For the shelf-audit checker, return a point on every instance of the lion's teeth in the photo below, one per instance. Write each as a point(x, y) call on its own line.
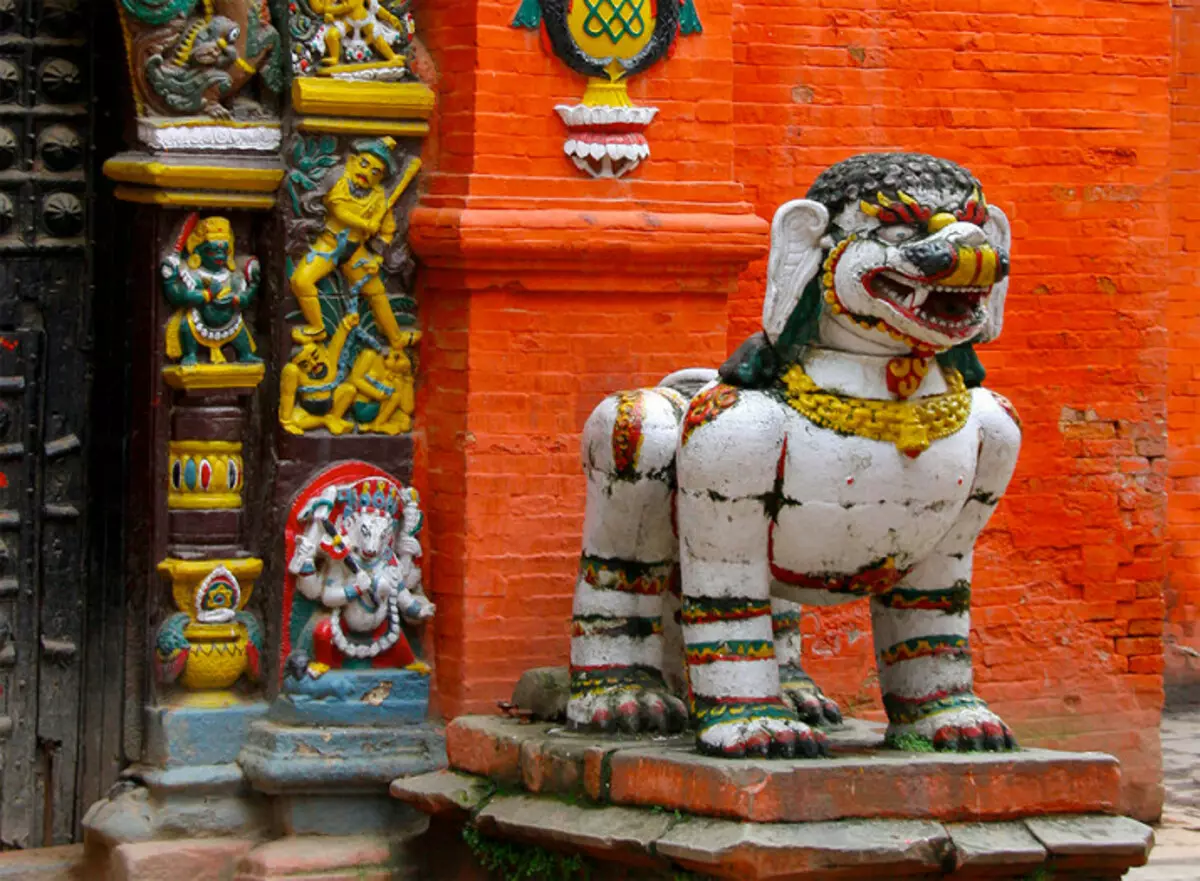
point(920, 295)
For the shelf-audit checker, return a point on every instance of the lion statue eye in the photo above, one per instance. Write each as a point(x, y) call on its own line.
point(897, 235)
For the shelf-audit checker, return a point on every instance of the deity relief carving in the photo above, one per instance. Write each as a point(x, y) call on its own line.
point(353, 574)
point(210, 292)
point(218, 61)
point(847, 451)
point(351, 39)
point(351, 369)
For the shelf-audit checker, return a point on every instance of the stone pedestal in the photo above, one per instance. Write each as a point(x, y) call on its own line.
point(865, 813)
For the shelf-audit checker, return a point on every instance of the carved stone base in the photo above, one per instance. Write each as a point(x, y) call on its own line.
point(354, 697)
point(198, 736)
point(321, 760)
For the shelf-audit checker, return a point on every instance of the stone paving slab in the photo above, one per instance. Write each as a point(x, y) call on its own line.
point(980, 846)
point(624, 834)
point(870, 848)
point(861, 780)
point(443, 793)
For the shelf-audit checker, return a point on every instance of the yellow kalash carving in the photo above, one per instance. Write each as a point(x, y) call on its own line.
point(211, 642)
point(911, 425)
point(204, 474)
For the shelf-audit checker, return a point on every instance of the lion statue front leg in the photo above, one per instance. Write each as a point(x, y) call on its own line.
point(922, 627)
point(727, 474)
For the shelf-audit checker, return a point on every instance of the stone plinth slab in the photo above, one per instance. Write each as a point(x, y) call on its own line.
point(285, 759)
point(196, 859)
point(198, 735)
point(861, 781)
point(386, 698)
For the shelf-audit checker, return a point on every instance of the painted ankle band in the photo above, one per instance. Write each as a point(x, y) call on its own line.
point(872, 580)
point(907, 711)
point(927, 647)
point(706, 407)
point(628, 576)
point(730, 650)
point(627, 433)
point(716, 711)
point(593, 680)
point(952, 601)
point(707, 610)
point(792, 678)
point(605, 625)
point(785, 622)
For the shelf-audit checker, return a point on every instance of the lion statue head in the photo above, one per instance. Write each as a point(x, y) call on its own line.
point(889, 253)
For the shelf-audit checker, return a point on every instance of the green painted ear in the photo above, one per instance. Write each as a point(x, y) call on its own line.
point(963, 359)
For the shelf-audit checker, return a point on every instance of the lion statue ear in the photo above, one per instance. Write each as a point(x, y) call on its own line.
point(999, 233)
point(795, 259)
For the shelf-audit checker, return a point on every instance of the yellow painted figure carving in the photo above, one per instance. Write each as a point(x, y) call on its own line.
point(380, 390)
point(308, 381)
point(358, 212)
point(356, 20)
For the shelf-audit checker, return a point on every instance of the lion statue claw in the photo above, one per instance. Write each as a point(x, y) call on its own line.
point(846, 452)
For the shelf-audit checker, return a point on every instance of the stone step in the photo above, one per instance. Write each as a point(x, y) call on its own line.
point(862, 780)
point(654, 843)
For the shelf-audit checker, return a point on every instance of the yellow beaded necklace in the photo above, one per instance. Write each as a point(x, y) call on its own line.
point(911, 425)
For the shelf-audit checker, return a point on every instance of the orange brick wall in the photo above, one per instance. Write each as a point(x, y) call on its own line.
point(1183, 318)
point(1061, 108)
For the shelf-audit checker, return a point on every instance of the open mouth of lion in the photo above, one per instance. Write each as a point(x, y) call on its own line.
point(952, 310)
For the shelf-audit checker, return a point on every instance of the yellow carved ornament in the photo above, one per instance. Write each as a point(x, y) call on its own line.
point(911, 425)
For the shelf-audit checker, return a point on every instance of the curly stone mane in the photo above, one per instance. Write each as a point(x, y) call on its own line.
point(862, 176)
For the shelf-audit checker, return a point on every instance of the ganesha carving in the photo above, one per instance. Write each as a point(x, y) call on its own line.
point(847, 451)
point(356, 561)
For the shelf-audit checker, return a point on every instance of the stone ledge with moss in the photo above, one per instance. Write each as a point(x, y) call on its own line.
point(867, 811)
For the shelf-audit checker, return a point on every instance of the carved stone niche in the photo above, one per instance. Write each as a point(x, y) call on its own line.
point(352, 684)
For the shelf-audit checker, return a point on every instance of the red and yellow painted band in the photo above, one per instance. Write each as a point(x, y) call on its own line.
point(647, 579)
point(627, 432)
point(730, 650)
point(926, 647)
point(706, 407)
point(874, 579)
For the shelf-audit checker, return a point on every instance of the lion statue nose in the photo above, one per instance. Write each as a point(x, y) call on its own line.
point(931, 257)
point(958, 261)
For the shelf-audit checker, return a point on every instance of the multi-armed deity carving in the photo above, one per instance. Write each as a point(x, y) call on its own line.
point(845, 452)
point(210, 293)
point(218, 62)
point(354, 575)
point(351, 368)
